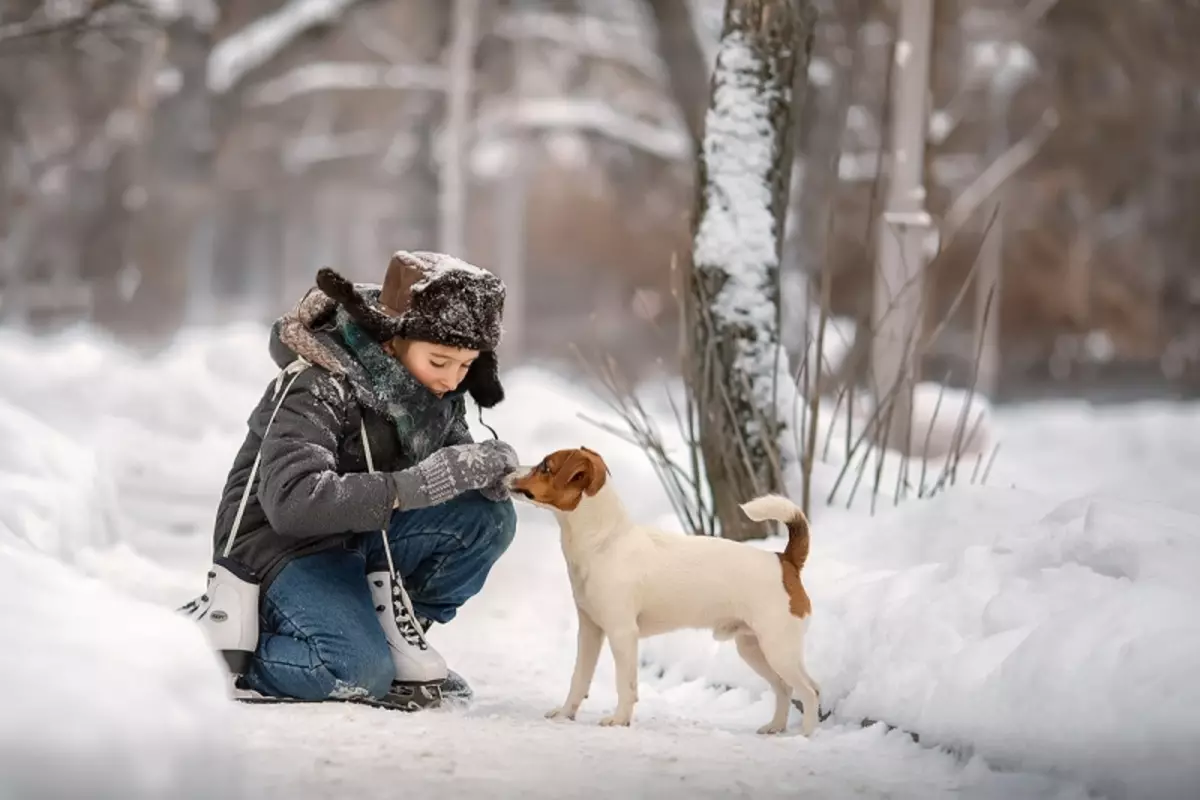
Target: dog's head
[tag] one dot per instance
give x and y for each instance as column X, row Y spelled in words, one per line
column 562, row 479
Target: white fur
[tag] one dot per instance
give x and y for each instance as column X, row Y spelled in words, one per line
column 632, row 581
column 770, row 507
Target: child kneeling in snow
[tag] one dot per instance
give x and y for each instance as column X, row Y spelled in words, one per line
column 363, row 439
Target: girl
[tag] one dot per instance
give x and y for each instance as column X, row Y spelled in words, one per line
column 363, row 439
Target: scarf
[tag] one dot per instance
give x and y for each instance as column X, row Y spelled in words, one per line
column 420, row 417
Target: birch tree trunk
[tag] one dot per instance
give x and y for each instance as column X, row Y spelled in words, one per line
column 736, row 364
column 815, row 179
column 906, row 223
column 452, row 219
column 177, row 167
column 511, row 199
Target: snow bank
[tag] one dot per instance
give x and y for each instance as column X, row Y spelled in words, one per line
column 54, row 494
column 158, row 432
column 105, row 697
column 108, row 696
column 946, row 419
column 1058, row 636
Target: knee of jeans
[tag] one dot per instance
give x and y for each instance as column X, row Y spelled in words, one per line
column 368, row 670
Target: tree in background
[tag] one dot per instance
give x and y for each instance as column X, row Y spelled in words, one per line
column 737, row 371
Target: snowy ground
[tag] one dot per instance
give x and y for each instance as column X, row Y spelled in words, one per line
column 1040, row 628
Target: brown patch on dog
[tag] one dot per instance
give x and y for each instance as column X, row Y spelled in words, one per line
column 798, row 602
column 791, row 561
column 562, row 478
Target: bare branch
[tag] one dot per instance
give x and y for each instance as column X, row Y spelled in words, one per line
column 586, row 36
column 324, row 76
column 669, row 142
column 43, row 23
column 256, row 44
column 996, row 174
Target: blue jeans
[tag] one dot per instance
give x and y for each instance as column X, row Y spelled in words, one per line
column 319, row 636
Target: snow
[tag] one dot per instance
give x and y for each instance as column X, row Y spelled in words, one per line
column 1007, row 63
column 204, row 12
column 260, row 41
column 106, row 696
column 54, row 494
column 946, row 419
column 1052, row 635
column 736, row 233
column 1037, row 632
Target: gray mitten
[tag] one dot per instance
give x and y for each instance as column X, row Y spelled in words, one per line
column 497, row 492
column 452, row 471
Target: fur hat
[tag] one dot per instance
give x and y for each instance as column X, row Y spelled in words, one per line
column 433, row 297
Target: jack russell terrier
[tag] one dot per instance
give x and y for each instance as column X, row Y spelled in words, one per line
column 632, row 581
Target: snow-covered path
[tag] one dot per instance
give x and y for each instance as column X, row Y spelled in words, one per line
column 515, row 642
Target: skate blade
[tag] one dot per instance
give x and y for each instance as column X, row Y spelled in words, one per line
column 414, row 696
column 419, row 697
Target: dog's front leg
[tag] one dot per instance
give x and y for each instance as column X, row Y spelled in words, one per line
column 624, row 644
column 587, row 653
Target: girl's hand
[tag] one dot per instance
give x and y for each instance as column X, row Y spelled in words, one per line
column 452, row 471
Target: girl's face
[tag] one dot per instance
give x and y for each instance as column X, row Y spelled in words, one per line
column 438, row 367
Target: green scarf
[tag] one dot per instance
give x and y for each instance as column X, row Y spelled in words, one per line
column 420, row 417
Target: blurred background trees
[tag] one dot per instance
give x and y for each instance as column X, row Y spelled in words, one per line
column 175, row 162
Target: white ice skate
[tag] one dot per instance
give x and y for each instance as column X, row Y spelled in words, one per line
column 416, row 661
column 227, row 612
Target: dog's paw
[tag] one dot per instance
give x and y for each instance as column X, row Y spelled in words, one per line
column 616, row 720
column 771, row 728
column 560, row 713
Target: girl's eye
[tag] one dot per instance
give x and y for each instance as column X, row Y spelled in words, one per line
column 438, row 364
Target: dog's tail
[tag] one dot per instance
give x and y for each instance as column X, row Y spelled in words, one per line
column 779, row 508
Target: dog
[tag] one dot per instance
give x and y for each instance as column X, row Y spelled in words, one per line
column 632, row 581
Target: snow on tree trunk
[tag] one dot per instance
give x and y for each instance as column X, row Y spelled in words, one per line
column 738, row 370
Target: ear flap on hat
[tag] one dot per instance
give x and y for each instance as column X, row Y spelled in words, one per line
column 373, row 321
column 483, row 380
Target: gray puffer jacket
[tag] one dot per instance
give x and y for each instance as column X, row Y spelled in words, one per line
column 313, row 490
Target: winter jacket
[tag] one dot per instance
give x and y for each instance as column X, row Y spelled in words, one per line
column 313, row 490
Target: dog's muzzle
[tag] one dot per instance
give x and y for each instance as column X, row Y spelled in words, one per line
column 514, row 476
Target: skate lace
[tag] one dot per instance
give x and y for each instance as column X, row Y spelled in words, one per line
column 409, row 629
column 405, row 622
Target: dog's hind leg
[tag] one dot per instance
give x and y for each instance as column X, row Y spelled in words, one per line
column 785, row 655
column 811, row 680
column 752, row 654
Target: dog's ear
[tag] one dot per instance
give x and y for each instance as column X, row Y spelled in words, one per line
column 583, row 469
column 600, row 460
